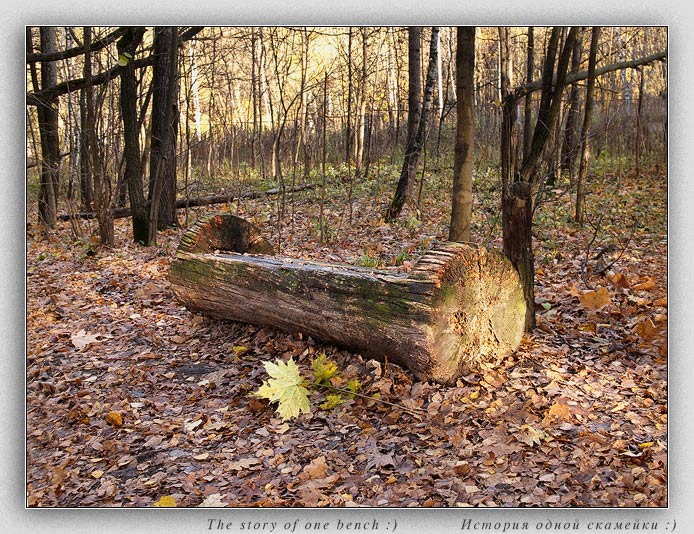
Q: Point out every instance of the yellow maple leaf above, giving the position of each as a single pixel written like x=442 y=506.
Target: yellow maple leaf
x=167 y=501
x=286 y=388
x=323 y=369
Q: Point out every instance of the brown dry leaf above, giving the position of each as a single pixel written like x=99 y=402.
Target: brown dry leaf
x=114 y=419
x=381 y=460
x=559 y=411
x=646 y=330
x=589 y=327
x=574 y=291
x=646 y=285
x=494 y=379
x=316 y=469
x=619 y=280
x=593 y=300
x=660 y=302
x=82 y=338
x=243 y=464
x=530 y=435
x=213 y=501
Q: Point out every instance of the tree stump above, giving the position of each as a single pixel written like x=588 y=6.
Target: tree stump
x=459 y=306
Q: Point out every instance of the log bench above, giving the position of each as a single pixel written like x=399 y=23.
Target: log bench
x=460 y=304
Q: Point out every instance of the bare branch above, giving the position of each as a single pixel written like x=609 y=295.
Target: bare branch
x=582 y=75
x=78 y=50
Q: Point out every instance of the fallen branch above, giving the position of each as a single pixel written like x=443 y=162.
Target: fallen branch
x=621 y=252
x=119 y=213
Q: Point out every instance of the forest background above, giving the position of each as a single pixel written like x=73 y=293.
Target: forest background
x=424 y=54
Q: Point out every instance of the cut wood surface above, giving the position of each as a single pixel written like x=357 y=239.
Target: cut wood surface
x=459 y=306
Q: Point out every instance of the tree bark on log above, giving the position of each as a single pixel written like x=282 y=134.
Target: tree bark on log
x=460 y=306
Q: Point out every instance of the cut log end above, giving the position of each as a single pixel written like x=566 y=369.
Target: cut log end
x=460 y=306
x=224 y=233
x=479 y=309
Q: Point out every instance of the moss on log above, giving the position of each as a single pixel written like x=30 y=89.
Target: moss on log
x=459 y=306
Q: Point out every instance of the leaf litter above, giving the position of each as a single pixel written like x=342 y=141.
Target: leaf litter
x=134 y=401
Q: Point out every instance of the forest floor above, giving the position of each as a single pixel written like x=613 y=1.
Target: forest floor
x=134 y=401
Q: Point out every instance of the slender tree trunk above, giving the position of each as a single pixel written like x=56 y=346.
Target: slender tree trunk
x=639 y=122
x=195 y=88
x=461 y=213
x=360 y=126
x=414 y=88
x=348 y=134
x=131 y=134
x=585 y=130
x=439 y=81
x=162 y=155
x=416 y=119
x=570 y=142
x=254 y=96
x=321 y=211
x=162 y=164
x=508 y=112
x=86 y=183
x=102 y=188
x=530 y=66
x=48 y=133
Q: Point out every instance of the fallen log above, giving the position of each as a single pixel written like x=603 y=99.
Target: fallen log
x=119 y=213
x=461 y=305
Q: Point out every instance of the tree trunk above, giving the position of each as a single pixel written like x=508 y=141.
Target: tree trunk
x=460 y=306
x=528 y=117
x=48 y=133
x=585 y=129
x=461 y=212
x=255 y=101
x=517 y=197
x=639 y=122
x=162 y=164
x=571 y=142
x=414 y=88
x=360 y=122
x=131 y=134
x=348 y=132
x=508 y=112
x=102 y=186
x=414 y=145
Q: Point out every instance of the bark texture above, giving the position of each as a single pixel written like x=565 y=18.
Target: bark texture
x=461 y=305
x=463 y=163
